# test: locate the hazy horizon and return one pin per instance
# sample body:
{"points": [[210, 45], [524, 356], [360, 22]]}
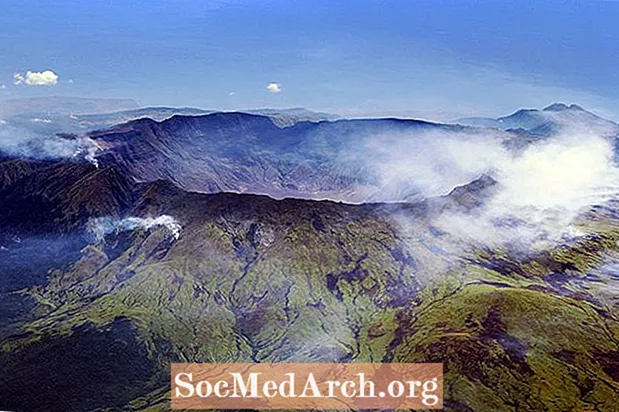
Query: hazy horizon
{"points": [[428, 59], [440, 116]]}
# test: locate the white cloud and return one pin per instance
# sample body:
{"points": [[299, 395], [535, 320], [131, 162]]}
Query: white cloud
{"points": [[231, 93], [44, 78], [274, 87], [3, 86]]}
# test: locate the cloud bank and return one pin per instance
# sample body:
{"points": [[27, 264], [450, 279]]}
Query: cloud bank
{"points": [[540, 188]]}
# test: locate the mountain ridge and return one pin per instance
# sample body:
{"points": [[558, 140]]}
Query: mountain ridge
{"points": [[253, 279], [251, 153]]}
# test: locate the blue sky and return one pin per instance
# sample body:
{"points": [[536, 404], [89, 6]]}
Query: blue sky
{"points": [[431, 58]]}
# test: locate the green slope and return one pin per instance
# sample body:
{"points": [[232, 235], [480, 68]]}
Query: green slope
{"points": [[251, 279]]}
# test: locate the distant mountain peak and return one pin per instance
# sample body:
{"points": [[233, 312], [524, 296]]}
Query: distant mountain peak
{"points": [[576, 107], [547, 121], [559, 107], [518, 114]]}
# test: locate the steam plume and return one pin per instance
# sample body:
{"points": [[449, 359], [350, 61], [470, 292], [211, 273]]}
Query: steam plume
{"points": [[540, 190], [18, 141], [102, 227]]}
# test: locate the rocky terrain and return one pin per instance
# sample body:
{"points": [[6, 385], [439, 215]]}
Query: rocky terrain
{"points": [[100, 292], [117, 262], [243, 153]]}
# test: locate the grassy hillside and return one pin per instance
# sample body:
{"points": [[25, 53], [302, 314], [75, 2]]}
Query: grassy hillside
{"points": [[251, 279]]}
